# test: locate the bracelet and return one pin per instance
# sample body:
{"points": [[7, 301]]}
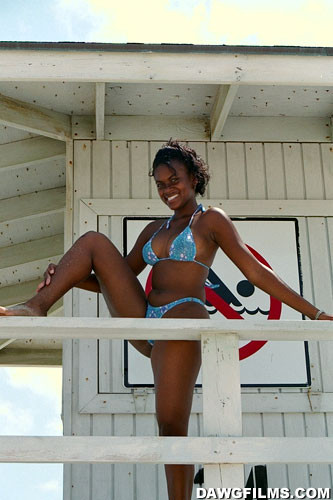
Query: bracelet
{"points": [[319, 313]]}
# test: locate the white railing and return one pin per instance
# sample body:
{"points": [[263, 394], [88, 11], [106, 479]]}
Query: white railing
{"points": [[223, 450]]}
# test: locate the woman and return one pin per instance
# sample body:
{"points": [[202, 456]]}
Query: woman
{"points": [[181, 250]]}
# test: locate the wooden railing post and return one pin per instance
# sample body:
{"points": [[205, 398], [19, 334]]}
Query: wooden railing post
{"points": [[222, 414]]}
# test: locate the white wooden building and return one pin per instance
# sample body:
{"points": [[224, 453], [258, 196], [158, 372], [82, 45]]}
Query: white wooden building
{"points": [[79, 127]]}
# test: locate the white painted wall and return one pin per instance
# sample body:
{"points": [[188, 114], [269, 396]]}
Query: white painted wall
{"points": [[240, 171]]}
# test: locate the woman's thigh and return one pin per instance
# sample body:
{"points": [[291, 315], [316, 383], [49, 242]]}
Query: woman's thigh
{"points": [[121, 289], [176, 364]]}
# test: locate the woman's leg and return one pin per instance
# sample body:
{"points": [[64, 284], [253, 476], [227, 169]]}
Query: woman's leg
{"points": [[91, 252], [176, 365]]}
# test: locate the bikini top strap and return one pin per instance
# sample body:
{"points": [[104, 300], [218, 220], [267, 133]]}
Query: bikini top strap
{"points": [[198, 209], [159, 229], [168, 221]]}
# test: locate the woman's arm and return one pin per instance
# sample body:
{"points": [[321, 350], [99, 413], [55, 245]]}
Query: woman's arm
{"points": [[226, 236]]}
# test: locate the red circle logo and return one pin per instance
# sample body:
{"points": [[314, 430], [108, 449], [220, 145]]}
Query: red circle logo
{"points": [[228, 312]]}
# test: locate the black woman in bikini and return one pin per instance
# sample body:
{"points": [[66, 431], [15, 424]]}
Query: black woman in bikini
{"points": [[181, 251]]}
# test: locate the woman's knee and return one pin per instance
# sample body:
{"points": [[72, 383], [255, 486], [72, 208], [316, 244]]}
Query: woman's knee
{"points": [[172, 426], [94, 238]]}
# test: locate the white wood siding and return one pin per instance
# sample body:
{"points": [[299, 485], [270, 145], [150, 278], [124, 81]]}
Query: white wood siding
{"points": [[240, 171]]}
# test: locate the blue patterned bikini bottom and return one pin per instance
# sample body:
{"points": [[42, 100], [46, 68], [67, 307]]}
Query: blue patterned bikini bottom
{"points": [[159, 311]]}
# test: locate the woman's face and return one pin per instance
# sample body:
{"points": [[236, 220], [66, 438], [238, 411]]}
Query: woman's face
{"points": [[174, 184]]}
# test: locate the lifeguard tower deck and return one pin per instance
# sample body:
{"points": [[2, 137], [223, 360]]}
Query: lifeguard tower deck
{"points": [[79, 127]]}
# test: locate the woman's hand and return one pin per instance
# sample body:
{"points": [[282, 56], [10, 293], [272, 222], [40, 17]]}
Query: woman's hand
{"points": [[51, 269]]}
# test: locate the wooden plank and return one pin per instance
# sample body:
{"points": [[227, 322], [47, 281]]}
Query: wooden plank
{"points": [[166, 66], [235, 207], [236, 171], [223, 101], [221, 403], [124, 474], [314, 184], [32, 357], [315, 425], [101, 476], [294, 173], [306, 273], [120, 170], [100, 111], [101, 169], [66, 411], [276, 129], [154, 147], [32, 251], [30, 151], [273, 426], [142, 328], [327, 159], [81, 426], [48, 173], [252, 427], [139, 168], [29, 228], [297, 473], [142, 128], [29, 271], [255, 172], [251, 403], [35, 119], [27, 205], [145, 475], [200, 149], [82, 185], [105, 380], [216, 157], [323, 291], [275, 178], [329, 423], [88, 378], [121, 449]]}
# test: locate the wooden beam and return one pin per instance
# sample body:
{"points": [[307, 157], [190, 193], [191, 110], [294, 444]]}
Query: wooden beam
{"points": [[143, 401], [236, 128], [143, 128], [6, 342], [35, 119], [100, 111], [142, 328], [161, 450], [222, 413], [242, 208], [27, 205], [206, 67], [30, 152], [30, 357], [31, 251], [223, 101]]}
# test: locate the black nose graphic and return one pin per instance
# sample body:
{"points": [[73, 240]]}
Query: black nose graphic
{"points": [[245, 288]]}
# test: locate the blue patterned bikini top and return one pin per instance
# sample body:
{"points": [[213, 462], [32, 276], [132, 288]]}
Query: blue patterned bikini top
{"points": [[183, 247]]}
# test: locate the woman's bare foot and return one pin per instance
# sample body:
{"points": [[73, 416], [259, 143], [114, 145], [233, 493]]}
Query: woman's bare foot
{"points": [[20, 310]]}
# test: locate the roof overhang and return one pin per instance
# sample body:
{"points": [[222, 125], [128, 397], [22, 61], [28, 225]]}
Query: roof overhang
{"points": [[200, 64]]}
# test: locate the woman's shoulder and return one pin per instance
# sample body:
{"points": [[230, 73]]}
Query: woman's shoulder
{"points": [[215, 214], [153, 226]]}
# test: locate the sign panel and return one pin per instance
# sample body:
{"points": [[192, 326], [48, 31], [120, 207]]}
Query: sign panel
{"points": [[230, 296]]}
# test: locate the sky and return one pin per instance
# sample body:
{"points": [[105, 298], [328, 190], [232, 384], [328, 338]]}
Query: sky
{"points": [[30, 398], [231, 22]]}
